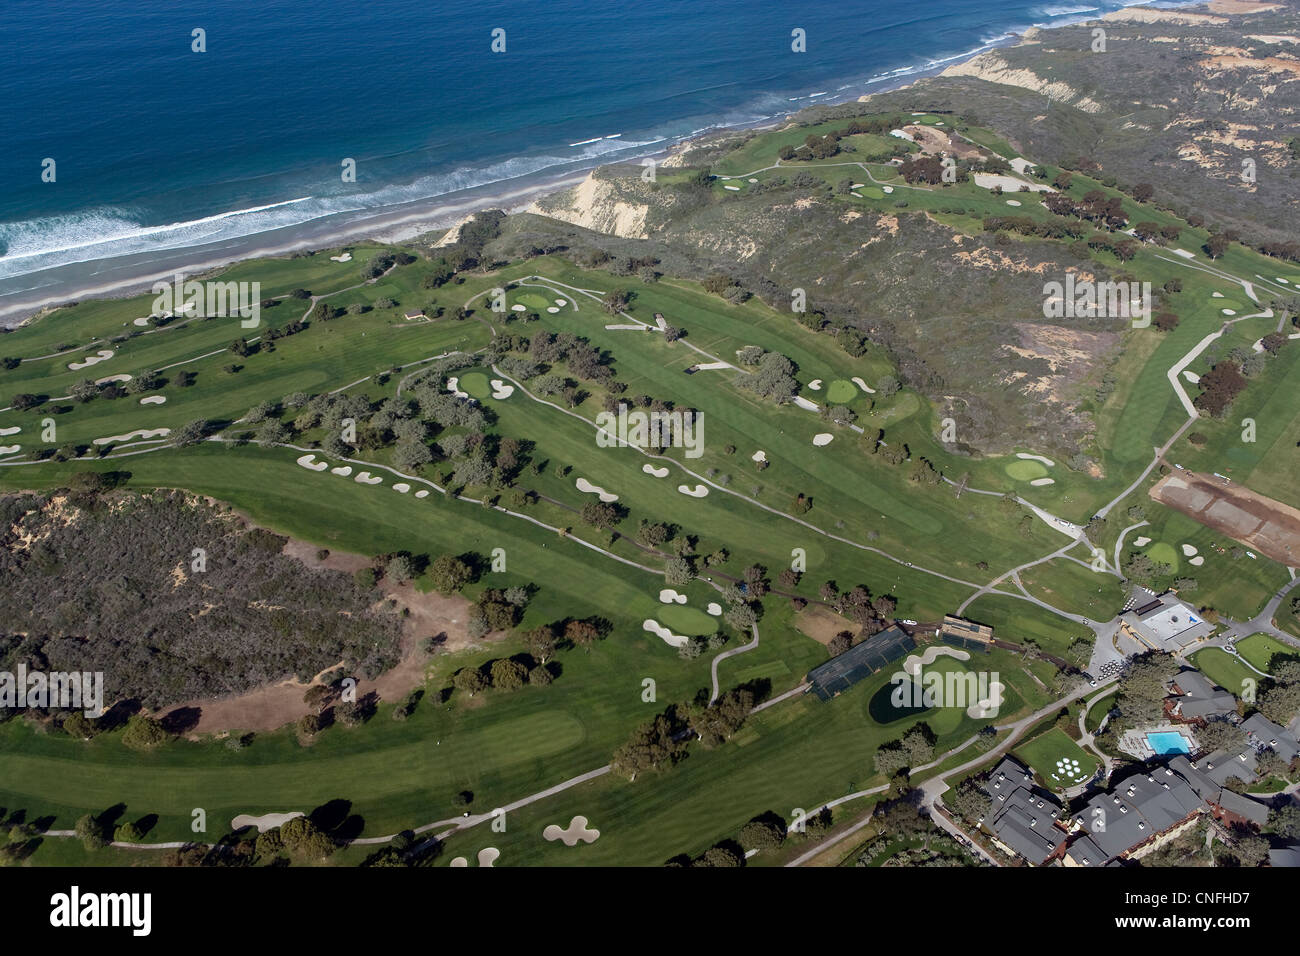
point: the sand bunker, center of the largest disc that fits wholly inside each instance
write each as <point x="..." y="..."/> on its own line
<point x="10" y="431"/>
<point x="887" y="189"/>
<point x="1013" y="202"/>
<point x="453" y="386"/>
<point x="912" y="666"/>
<point x="1040" y="482"/>
<point x="346" y="257"/>
<point x="153" y="400"/>
<point x="759" y="455"/>
<point x="823" y="438"/>
<point x="863" y="385"/>
<point x="576" y="830"/>
<point x="657" y="472"/>
<point x="486" y="857"/>
<point x="518" y="308"/>
<point x="734" y="189"/>
<point x="1039" y="458"/>
<point x="343" y="471"/>
<point x="669" y="596"/>
<point x="6" y="450"/>
<point x="365" y="478"/>
<point x="654" y="627"/>
<point x="552" y="309"/>
<point x="1229" y="312"/>
<point x="422" y="493"/>
<point x="267" y="821"/>
<point x="1216" y="295"/>
<point x="501" y="390"/>
<point x="401" y="487"/>
<point x="144" y="321"/>
<point x="699" y="491"/>
<point x="714" y="608"/>
<point x="1189" y="550"/>
<point x="103" y="355"/>
<point x="561" y="302"/>
<point x="113" y="378"/>
<point x="815" y="385"/>
<point x="138" y="433"/>
<point x="588" y="488"/>
<point x="1141" y="542"/>
<point x="1191" y="376"/>
<point x="990" y="706"/>
<point x="805" y="404"/>
<point x="310" y="462"/>
<point x="1197" y="561"/>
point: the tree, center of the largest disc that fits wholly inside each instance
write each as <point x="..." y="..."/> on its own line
<point x="601" y="514"/>
<point x="449" y="574"/>
<point x="302" y="836"/>
<point x="541" y="643"/>
<point x="650" y="747"/>
<point x="469" y="680"/>
<point x="508" y="674"/>
<point x="678" y="572"/>
<point x="196" y="431"/>
<point x="91" y="832"/>
<point x="581" y="633"/>
<point x="766" y="832"/>
<point x="143" y="734"/>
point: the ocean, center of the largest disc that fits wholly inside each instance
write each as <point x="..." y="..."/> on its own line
<point x="168" y="158"/>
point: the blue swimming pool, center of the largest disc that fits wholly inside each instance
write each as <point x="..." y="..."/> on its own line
<point x="1167" y="743"/>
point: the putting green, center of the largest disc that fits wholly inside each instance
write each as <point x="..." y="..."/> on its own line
<point x="533" y="300"/>
<point x="476" y="383"/>
<point x="681" y="619"/>
<point x="872" y="192"/>
<point x="1164" y="554"/>
<point x="1025" y="470"/>
<point x="840" y="391"/>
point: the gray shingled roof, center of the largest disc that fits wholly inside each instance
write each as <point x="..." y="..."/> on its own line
<point x="1269" y="734"/>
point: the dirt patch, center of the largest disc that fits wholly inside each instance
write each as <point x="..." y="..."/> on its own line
<point x="822" y="624"/>
<point x="936" y="142"/>
<point x="1264" y="524"/>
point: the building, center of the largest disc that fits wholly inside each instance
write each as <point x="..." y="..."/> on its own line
<point x="1136" y="816"/>
<point x="1194" y="698"/>
<point x="1226" y="806"/>
<point x="966" y="634"/>
<point x="862" y="660"/>
<point x="1264" y="733"/>
<point x="412" y="316"/>
<point x="1023" y="818"/>
<point x="1221" y="766"/>
<point x="1164" y="623"/>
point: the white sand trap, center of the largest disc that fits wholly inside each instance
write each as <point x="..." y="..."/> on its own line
<point x="1191" y="376"/>
<point x="714" y="608"/>
<point x="1189" y="550"/>
<point x="863" y="385"/>
<point x="144" y="321"/>
<point x="561" y="302"/>
<point x="1184" y="253"/>
<point x="1141" y="541"/>
<point x="154" y="400"/>
<point x="552" y="309"/>
<point x="734" y="189"/>
<point x="858" y="185"/>
<point x="401" y="488"/>
<point x="815" y="385"/>
<point x="10" y="449"/>
<point x="267" y="821"/>
<point x="1009" y="184"/>
<point x="422" y="493"/>
<point x="518" y="308"/>
<point x="669" y="596"/>
<point x="657" y="472"/>
<point x="1216" y="295"/>
<point x="1013" y="202"/>
<point x="460" y="861"/>
<point x="1283" y="281"/>
<point x="346" y="257"/>
<point x="586" y="486"/>
<point x="453" y="386"/>
<point x="10" y="431"/>
<point x="887" y="189"/>
<point x="343" y="471"/>
<point x="654" y="627"/>
<point x="310" y="462"/>
<point x="138" y="433"/>
<point x="1197" y="561"/>
<point x="1257" y="345"/>
<point x="625" y="327"/>
<point x="990" y="706"/>
<point x="488" y="855"/>
<point x="1229" y="312"/>
<point x="569" y="836"/>
<point x="113" y="378"/>
<point x="805" y="404"/>
<point x="753" y="180"/>
<point x="699" y="491"/>
<point x="365" y="478"/>
<point x="1040" y="482"/>
<point x="912" y="666"/>
<point x="857" y="195"/>
<point x="710" y="366"/>
<point x="1038" y="458"/>
<point x="500" y="390"/>
<point x="103" y="355"/>
<point x="759" y="455"/>
<point x="823" y="438"/>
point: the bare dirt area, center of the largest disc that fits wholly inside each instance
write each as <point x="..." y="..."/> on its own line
<point x="1263" y="524"/>
<point x="822" y="624"/>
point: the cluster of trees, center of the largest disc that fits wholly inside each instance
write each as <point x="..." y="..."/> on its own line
<point x="1219" y="387"/>
<point x="914" y="748"/>
<point x="772" y="376"/>
<point x="721" y="284"/>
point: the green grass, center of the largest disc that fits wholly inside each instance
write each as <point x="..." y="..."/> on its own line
<point x="1022" y="470"/>
<point x="1043" y="751"/>
<point x="1259" y="650"/>
<point x="1225" y="670"/>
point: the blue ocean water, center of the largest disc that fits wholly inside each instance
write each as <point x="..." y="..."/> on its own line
<point x="161" y="148"/>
